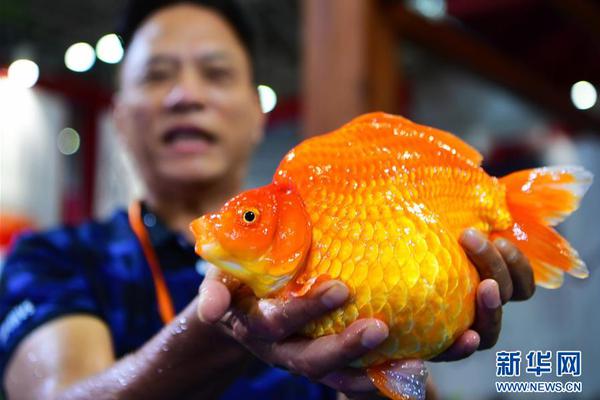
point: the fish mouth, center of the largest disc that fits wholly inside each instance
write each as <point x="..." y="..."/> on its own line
<point x="214" y="253"/>
<point x="206" y="241"/>
<point x="252" y="273"/>
<point x="209" y="248"/>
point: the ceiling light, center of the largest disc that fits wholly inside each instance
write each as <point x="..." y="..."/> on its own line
<point x="80" y="57"/>
<point x="109" y="49"/>
<point x="23" y="73"/>
<point x="268" y="98"/>
<point x="583" y="95"/>
<point x="68" y="141"/>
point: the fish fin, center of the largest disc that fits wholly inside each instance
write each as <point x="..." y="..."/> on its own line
<point x="548" y="194"/>
<point x="400" y="380"/>
<point x="301" y="289"/>
<point x="549" y="254"/>
<point x="379" y="117"/>
<point x="539" y="199"/>
<point x="446" y="138"/>
<point x="443" y="138"/>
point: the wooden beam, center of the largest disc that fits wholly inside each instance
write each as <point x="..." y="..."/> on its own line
<point x="348" y="62"/>
<point x="383" y="66"/>
<point x="456" y="45"/>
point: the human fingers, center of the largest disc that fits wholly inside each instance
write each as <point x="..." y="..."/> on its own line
<point x="274" y="319"/>
<point x="316" y="358"/>
<point x="488" y="261"/>
<point x="488" y="320"/>
<point x="463" y="347"/>
<point x="519" y="268"/>
<point x="214" y="295"/>
<point x="353" y="382"/>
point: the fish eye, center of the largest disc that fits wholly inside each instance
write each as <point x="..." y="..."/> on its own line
<point x="250" y="216"/>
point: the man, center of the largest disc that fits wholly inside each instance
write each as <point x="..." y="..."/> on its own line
<point x="83" y="305"/>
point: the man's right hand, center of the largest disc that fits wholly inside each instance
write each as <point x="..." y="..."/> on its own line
<point x="269" y="331"/>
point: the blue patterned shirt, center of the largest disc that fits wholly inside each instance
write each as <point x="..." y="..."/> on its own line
<point x="99" y="269"/>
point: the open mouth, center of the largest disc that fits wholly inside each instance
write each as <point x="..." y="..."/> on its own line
<point x="188" y="138"/>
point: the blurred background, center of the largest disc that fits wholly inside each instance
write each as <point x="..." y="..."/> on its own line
<point x="516" y="78"/>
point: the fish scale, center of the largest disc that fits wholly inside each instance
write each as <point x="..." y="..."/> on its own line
<point x="379" y="204"/>
<point x="377" y="210"/>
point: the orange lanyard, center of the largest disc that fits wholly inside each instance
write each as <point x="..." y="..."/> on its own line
<point x="165" y="303"/>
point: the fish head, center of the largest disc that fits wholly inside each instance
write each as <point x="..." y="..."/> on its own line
<point x="261" y="236"/>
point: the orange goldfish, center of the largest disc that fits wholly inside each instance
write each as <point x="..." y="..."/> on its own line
<point x="379" y="204"/>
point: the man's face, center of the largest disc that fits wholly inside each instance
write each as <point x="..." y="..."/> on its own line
<point x="187" y="108"/>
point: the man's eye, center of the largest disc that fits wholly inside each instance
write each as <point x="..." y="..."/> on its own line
<point x="156" y="76"/>
<point x="218" y="74"/>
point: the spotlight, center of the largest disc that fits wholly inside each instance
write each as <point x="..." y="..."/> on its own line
<point x="23" y="73"/>
<point x="68" y="141"/>
<point x="109" y="49"/>
<point x="80" y="57"/>
<point x="583" y="95"/>
<point x="268" y="98"/>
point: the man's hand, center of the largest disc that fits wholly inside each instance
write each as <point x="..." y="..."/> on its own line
<point x="269" y="329"/>
<point x="505" y="275"/>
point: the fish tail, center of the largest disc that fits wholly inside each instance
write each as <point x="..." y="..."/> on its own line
<point x="400" y="380"/>
<point x="539" y="199"/>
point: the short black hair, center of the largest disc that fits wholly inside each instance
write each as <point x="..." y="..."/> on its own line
<point x="137" y="11"/>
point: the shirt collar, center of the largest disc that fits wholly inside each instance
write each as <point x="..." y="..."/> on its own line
<point x="160" y="235"/>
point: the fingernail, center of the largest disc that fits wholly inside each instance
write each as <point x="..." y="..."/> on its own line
<point x="501" y="243"/>
<point x="473" y="240"/>
<point x="201" y="299"/>
<point x="373" y="335"/>
<point x="335" y="296"/>
<point x="474" y="339"/>
<point x="491" y="295"/>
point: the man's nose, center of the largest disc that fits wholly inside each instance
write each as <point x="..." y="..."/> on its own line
<point x="188" y="94"/>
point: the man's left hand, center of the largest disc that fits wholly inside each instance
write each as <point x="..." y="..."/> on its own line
<point x="506" y="275"/>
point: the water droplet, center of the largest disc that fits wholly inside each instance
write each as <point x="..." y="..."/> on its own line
<point x="37" y="372"/>
<point x="122" y="381"/>
<point x="32" y="357"/>
<point x="183" y="320"/>
<point x="165" y="348"/>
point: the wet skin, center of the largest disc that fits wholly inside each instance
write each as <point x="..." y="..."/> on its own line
<point x="188" y="113"/>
